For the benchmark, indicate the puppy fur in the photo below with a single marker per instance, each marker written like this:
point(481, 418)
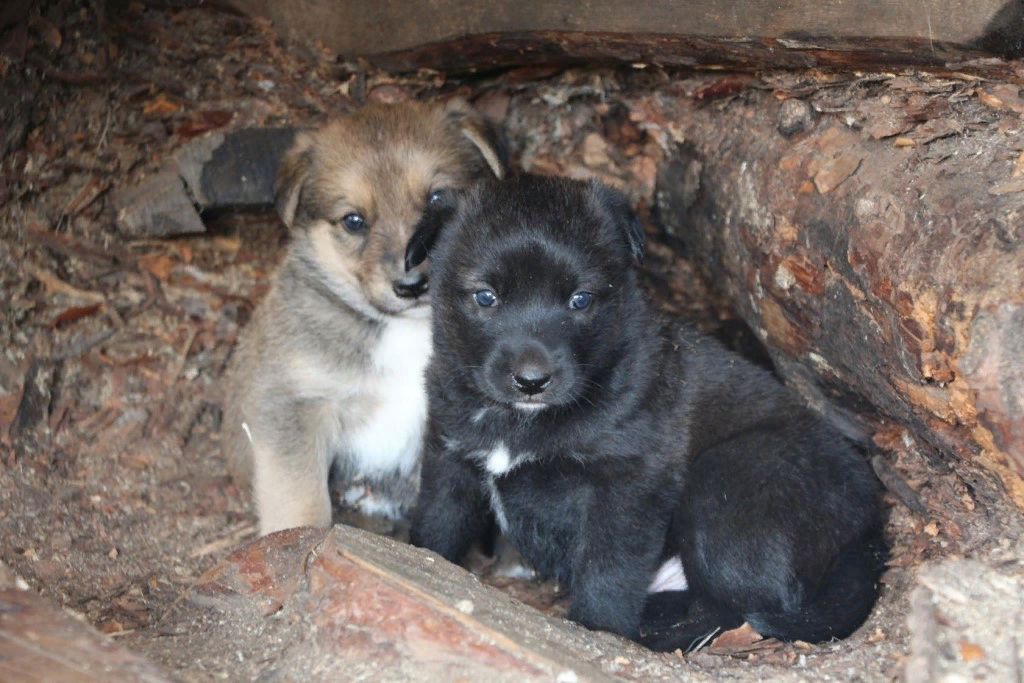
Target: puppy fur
point(327, 378)
point(673, 487)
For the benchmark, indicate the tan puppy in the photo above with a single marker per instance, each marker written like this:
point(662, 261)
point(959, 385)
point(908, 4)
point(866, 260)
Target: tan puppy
point(327, 378)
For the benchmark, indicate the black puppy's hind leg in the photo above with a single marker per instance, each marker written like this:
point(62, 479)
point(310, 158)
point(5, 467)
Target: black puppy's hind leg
point(782, 526)
point(451, 513)
point(842, 601)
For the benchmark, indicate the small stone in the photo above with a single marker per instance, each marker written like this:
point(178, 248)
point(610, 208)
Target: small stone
point(794, 117)
point(464, 606)
point(567, 676)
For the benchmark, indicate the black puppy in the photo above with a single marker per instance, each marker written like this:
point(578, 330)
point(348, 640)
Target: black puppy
point(673, 487)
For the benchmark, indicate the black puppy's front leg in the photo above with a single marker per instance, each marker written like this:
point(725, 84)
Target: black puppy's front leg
point(452, 512)
point(617, 556)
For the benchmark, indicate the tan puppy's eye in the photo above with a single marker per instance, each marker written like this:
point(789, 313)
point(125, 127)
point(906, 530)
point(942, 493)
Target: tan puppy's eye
point(353, 222)
point(437, 197)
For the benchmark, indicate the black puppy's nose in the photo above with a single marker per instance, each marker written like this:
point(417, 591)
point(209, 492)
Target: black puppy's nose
point(531, 379)
point(411, 285)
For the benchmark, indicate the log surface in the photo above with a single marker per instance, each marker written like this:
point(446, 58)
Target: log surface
point(881, 259)
point(345, 604)
point(42, 643)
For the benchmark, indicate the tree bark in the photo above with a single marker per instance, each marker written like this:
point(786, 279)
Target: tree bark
point(884, 269)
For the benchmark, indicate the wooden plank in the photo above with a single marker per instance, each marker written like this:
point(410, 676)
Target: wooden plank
point(371, 28)
point(562, 48)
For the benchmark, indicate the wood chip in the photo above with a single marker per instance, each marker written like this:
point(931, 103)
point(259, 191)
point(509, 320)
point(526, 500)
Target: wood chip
point(834, 171)
point(1018, 166)
point(1008, 186)
point(970, 652)
point(54, 284)
point(990, 100)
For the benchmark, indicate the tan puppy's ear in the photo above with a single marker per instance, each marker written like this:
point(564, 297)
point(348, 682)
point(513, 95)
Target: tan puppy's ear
point(291, 176)
point(482, 134)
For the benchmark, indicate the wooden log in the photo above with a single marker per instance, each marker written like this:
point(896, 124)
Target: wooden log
point(881, 258)
point(345, 604)
point(458, 35)
point(42, 643)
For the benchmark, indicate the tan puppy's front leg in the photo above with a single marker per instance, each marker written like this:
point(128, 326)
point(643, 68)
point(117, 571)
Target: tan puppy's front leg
point(290, 478)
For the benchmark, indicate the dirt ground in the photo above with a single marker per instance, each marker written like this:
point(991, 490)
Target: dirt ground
point(113, 492)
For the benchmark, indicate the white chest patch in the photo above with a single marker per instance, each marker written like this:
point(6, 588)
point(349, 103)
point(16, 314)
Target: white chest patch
point(669, 577)
point(499, 460)
point(392, 434)
point(497, 506)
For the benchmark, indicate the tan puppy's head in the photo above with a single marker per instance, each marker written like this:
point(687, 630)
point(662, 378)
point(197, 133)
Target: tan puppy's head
point(353, 192)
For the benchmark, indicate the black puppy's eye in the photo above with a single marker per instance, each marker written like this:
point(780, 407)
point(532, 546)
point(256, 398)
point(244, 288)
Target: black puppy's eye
point(580, 300)
point(353, 222)
point(485, 298)
point(436, 197)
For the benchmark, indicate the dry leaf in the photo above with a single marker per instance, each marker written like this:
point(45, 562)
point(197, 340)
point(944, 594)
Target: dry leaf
point(157, 264)
point(227, 243)
point(203, 122)
point(47, 31)
point(74, 313)
point(161, 105)
point(112, 626)
point(736, 638)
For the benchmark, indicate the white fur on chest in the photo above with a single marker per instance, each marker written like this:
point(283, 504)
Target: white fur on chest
point(497, 462)
point(390, 436)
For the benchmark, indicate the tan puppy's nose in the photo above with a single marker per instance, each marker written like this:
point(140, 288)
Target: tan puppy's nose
point(410, 285)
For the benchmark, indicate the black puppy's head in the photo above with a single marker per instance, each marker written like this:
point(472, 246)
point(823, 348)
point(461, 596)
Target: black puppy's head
point(535, 290)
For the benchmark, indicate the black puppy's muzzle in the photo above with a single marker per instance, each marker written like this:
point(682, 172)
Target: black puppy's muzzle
point(411, 285)
point(526, 371)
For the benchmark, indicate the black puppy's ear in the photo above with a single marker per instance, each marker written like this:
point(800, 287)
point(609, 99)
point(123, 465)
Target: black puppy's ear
point(427, 230)
point(484, 136)
point(616, 206)
point(291, 176)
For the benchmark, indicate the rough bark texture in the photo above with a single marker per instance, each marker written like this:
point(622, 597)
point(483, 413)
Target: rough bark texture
point(366, 27)
point(488, 51)
point(349, 605)
point(886, 276)
point(42, 643)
